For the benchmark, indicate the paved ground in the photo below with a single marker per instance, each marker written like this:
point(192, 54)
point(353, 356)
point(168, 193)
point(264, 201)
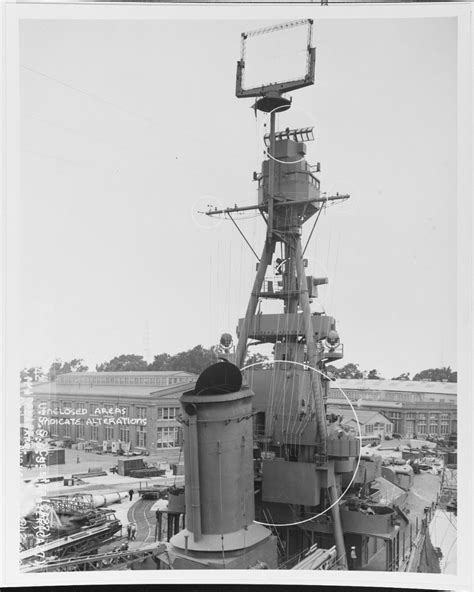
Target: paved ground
point(109, 483)
point(142, 512)
point(95, 461)
point(145, 519)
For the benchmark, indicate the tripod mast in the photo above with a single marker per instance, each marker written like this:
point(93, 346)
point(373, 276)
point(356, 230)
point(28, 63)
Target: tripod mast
point(288, 195)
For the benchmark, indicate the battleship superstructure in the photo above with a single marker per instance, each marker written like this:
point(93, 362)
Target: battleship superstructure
point(272, 479)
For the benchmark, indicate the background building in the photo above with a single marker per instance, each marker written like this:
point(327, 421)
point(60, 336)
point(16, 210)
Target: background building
point(373, 425)
point(414, 407)
point(99, 404)
point(111, 410)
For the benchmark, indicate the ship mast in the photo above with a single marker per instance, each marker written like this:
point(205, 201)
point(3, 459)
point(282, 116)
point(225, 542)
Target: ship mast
point(284, 214)
point(289, 194)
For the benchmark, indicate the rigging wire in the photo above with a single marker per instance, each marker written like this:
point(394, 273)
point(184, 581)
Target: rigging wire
point(219, 455)
point(273, 396)
point(243, 236)
point(179, 459)
point(88, 94)
point(229, 267)
point(211, 294)
point(330, 295)
point(314, 226)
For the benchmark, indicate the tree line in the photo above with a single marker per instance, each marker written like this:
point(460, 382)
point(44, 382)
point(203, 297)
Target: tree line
point(198, 358)
point(445, 374)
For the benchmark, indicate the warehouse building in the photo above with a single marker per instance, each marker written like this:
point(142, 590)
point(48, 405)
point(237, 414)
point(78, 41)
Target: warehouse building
point(371, 425)
point(138, 411)
point(109, 411)
point(418, 408)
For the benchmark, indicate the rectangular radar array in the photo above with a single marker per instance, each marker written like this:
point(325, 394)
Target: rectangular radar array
point(265, 67)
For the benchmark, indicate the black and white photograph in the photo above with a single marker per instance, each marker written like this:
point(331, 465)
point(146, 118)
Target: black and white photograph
point(237, 298)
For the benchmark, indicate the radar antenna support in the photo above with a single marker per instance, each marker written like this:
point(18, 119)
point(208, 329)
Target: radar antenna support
point(289, 194)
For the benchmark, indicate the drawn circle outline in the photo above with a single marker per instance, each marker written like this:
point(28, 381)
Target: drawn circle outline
point(359, 437)
point(196, 214)
point(266, 149)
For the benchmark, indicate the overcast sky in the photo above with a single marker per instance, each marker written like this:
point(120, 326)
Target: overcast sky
point(130, 127)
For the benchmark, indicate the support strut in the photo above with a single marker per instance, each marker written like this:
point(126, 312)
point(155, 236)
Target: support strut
point(338, 531)
point(264, 262)
point(311, 348)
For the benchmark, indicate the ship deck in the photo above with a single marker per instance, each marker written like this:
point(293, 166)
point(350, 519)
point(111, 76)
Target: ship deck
point(422, 494)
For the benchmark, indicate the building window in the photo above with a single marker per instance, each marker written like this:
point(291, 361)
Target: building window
point(167, 438)
point(167, 412)
point(369, 428)
point(141, 436)
point(141, 412)
point(80, 430)
point(95, 433)
point(126, 410)
point(444, 427)
point(124, 434)
point(109, 433)
point(67, 429)
point(410, 416)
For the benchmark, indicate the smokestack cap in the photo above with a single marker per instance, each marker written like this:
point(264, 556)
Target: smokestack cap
point(219, 379)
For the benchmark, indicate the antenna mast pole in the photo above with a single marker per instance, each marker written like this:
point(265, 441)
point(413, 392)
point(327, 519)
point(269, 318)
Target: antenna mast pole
point(289, 194)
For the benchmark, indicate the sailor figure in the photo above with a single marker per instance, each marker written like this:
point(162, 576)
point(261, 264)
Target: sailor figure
point(302, 410)
point(353, 557)
point(279, 265)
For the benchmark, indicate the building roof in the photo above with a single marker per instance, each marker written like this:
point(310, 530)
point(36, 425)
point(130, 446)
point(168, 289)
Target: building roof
point(85, 389)
point(411, 386)
point(173, 389)
point(130, 373)
point(364, 416)
point(85, 377)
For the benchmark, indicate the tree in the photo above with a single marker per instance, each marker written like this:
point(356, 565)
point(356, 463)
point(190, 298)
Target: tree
point(124, 363)
point(347, 371)
point(160, 362)
point(193, 360)
point(35, 374)
point(374, 375)
point(437, 375)
point(58, 367)
point(403, 376)
point(256, 358)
